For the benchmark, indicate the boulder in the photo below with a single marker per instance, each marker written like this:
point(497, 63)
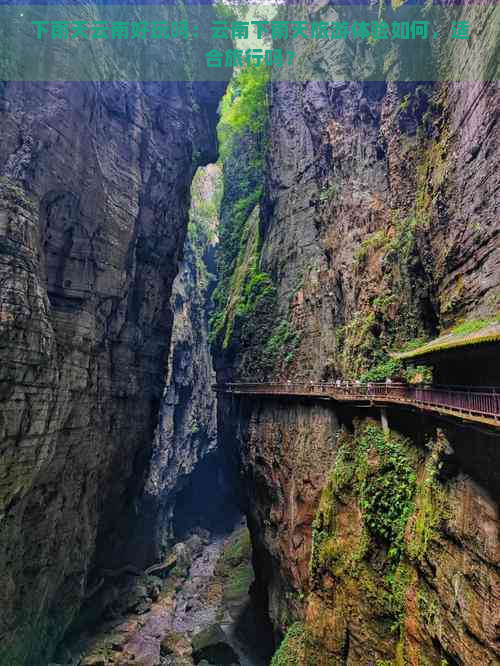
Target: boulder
point(195, 546)
point(176, 644)
point(183, 558)
point(211, 645)
point(93, 660)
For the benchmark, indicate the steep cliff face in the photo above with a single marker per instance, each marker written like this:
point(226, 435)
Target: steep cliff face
point(378, 227)
point(94, 197)
point(186, 485)
point(379, 221)
point(371, 547)
point(395, 232)
point(285, 453)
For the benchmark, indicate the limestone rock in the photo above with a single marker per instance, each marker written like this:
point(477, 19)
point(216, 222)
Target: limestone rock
point(93, 660)
point(176, 644)
point(379, 224)
point(94, 194)
point(211, 645)
point(185, 456)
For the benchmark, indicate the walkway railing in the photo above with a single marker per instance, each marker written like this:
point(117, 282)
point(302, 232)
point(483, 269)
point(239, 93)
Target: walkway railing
point(476, 404)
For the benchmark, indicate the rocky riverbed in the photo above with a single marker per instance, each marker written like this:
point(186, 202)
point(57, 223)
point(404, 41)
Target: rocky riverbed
point(200, 613)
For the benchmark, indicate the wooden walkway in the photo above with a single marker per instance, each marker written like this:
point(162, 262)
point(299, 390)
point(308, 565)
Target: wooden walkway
point(480, 404)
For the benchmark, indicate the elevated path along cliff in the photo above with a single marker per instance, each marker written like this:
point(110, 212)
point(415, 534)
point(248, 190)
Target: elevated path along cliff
point(480, 404)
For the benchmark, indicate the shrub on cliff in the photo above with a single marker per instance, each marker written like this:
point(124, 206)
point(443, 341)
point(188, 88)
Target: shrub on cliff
point(244, 108)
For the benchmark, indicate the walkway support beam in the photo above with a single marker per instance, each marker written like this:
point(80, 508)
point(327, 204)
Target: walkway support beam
point(384, 420)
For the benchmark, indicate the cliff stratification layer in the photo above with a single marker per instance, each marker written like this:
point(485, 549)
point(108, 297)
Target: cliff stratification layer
point(187, 485)
point(377, 229)
point(94, 190)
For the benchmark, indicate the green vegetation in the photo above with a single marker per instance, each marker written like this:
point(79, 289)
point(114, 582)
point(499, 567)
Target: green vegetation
point(398, 580)
point(291, 650)
point(388, 368)
point(474, 325)
point(382, 303)
point(243, 289)
point(405, 103)
point(386, 318)
point(238, 582)
point(284, 340)
point(204, 213)
point(248, 286)
point(414, 344)
point(399, 517)
point(457, 337)
point(401, 246)
point(433, 167)
point(386, 496)
point(234, 566)
point(418, 374)
point(428, 606)
point(395, 308)
point(431, 504)
point(237, 550)
point(391, 367)
point(244, 109)
point(357, 346)
point(194, 428)
point(206, 191)
point(246, 309)
point(225, 12)
point(258, 285)
point(234, 233)
point(372, 242)
point(384, 491)
point(328, 193)
point(13, 191)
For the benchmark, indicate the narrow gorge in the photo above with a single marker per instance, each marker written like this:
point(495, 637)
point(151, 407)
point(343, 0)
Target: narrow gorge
point(249, 379)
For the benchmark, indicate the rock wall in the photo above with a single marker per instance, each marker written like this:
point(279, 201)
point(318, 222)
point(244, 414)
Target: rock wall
point(378, 228)
point(380, 231)
point(185, 445)
point(379, 220)
point(370, 548)
point(94, 194)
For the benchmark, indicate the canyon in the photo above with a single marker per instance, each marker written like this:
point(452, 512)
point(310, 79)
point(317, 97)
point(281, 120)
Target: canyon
point(160, 239)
